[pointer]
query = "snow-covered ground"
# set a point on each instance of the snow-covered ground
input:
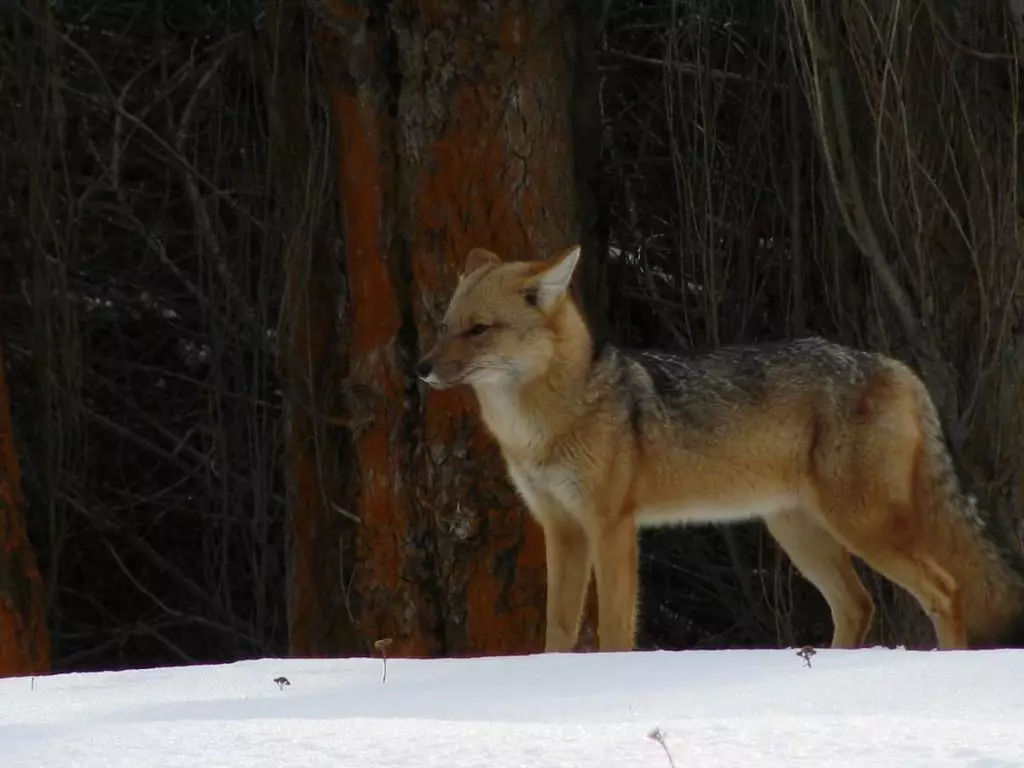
(717, 709)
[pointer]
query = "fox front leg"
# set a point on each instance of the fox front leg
(616, 566)
(568, 563)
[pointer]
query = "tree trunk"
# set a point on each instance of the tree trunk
(316, 442)
(454, 129)
(24, 639)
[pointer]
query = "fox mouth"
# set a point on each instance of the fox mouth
(450, 380)
(433, 381)
(444, 379)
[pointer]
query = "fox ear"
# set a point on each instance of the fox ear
(553, 282)
(478, 258)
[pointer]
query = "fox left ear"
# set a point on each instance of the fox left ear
(479, 258)
(553, 282)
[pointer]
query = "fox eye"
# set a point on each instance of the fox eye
(477, 329)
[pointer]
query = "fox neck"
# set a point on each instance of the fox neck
(524, 416)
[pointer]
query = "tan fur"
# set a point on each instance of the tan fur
(839, 451)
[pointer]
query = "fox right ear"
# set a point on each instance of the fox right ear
(553, 282)
(479, 258)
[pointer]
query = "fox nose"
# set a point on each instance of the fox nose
(423, 368)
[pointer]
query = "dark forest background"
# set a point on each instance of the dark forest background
(227, 230)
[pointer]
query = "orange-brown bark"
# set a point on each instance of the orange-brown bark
(24, 638)
(374, 362)
(453, 130)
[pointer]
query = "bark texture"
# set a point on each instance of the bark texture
(454, 129)
(24, 639)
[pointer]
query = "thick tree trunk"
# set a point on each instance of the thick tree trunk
(454, 130)
(24, 639)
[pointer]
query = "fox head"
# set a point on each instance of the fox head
(502, 323)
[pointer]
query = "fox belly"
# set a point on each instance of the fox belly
(723, 510)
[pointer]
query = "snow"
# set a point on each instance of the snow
(717, 709)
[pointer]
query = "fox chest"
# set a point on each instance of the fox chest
(545, 488)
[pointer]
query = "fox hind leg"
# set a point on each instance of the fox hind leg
(889, 539)
(931, 585)
(826, 564)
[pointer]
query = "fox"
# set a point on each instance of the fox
(839, 451)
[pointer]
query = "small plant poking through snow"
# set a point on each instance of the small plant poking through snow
(805, 653)
(656, 734)
(282, 682)
(382, 645)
